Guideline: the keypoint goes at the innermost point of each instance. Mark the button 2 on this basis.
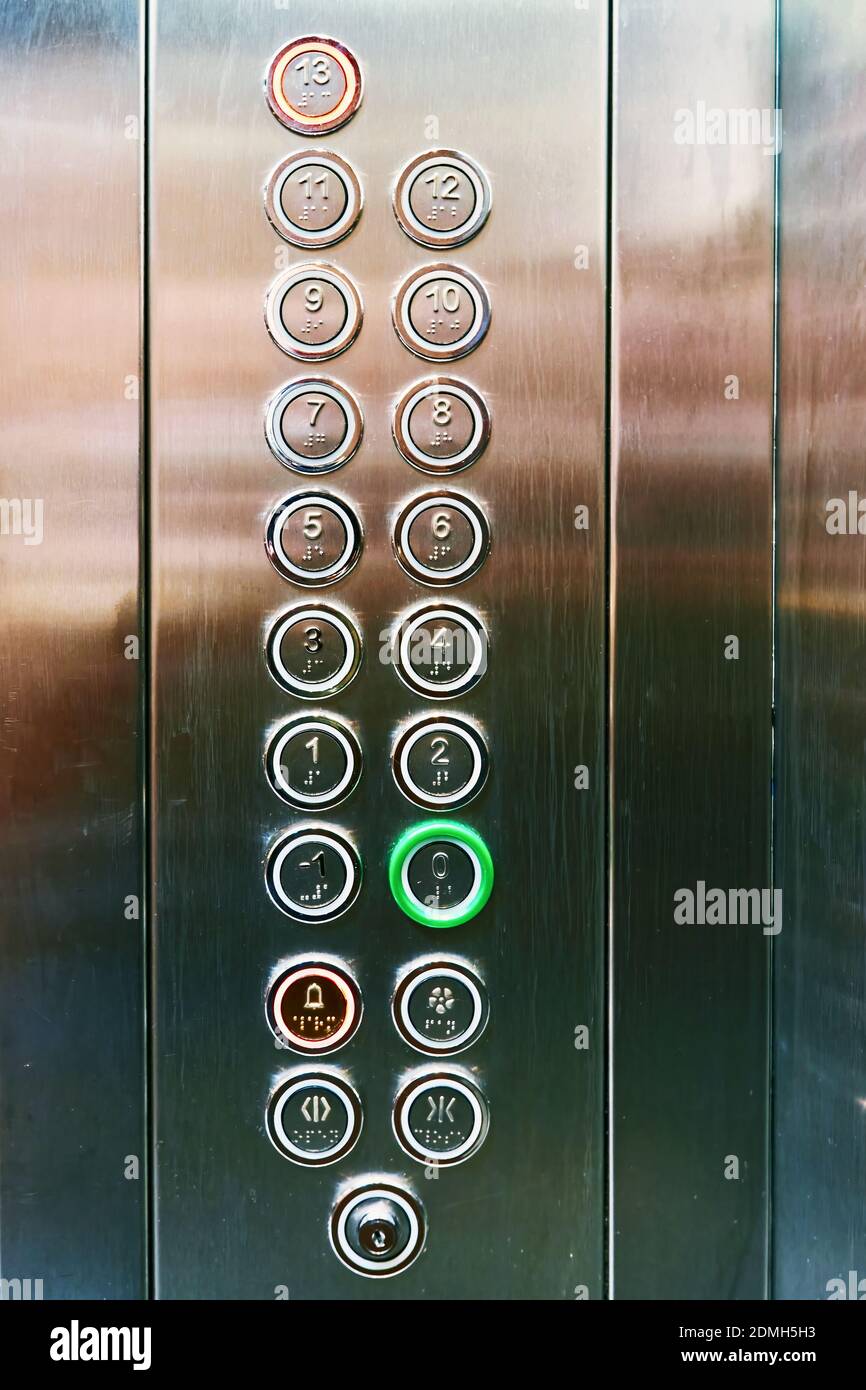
(440, 873)
(440, 650)
(313, 425)
(440, 762)
(313, 539)
(313, 312)
(441, 538)
(440, 1007)
(441, 425)
(313, 652)
(313, 875)
(313, 199)
(442, 198)
(314, 85)
(441, 312)
(313, 762)
(314, 1119)
(313, 1006)
(441, 1118)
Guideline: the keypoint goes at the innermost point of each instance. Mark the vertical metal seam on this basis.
(608, 638)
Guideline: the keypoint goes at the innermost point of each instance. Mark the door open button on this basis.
(314, 1119)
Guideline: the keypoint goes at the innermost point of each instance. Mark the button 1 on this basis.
(314, 1119)
(440, 873)
(313, 539)
(314, 1006)
(313, 875)
(440, 1007)
(313, 312)
(314, 85)
(378, 1230)
(313, 425)
(313, 652)
(441, 538)
(441, 425)
(442, 198)
(441, 312)
(313, 762)
(441, 1118)
(441, 650)
(313, 199)
(440, 762)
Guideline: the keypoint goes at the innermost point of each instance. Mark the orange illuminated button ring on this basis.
(314, 85)
(314, 1007)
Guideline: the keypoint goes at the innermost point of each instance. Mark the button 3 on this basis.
(441, 1118)
(441, 538)
(314, 1119)
(440, 1007)
(313, 199)
(314, 1006)
(441, 312)
(313, 539)
(313, 652)
(442, 198)
(313, 425)
(440, 762)
(441, 425)
(440, 873)
(313, 875)
(314, 85)
(313, 312)
(313, 762)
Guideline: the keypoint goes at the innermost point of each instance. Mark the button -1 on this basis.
(313, 652)
(440, 873)
(441, 1118)
(313, 1006)
(441, 425)
(313, 199)
(441, 312)
(441, 650)
(440, 1007)
(313, 762)
(314, 85)
(440, 762)
(441, 538)
(313, 875)
(313, 539)
(313, 425)
(314, 1119)
(442, 198)
(313, 312)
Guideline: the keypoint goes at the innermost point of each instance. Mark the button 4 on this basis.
(440, 650)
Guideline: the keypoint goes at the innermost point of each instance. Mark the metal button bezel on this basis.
(353, 651)
(444, 386)
(294, 839)
(312, 723)
(331, 574)
(422, 347)
(447, 724)
(296, 347)
(359, 1263)
(348, 104)
(337, 1086)
(328, 236)
(417, 230)
(300, 463)
(408, 561)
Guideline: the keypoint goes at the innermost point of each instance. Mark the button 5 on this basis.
(313, 539)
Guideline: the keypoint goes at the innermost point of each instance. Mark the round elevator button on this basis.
(313, 875)
(441, 650)
(440, 763)
(313, 762)
(313, 312)
(440, 873)
(441, 1118)
(378, 1230)
(441, 538)
(313, 199)
(313, 425)
(441, 312)
(314, 1006)
(441, 425)
(313, 652)
(442, 198)
(440, 1007)
(314, 1119)
(314, 85)
(313, 539)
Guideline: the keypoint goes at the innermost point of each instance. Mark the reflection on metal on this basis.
(72, 1160)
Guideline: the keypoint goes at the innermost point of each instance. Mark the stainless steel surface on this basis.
(691, 431)
(524, 1217)
(820, 1007)
(72, 1148)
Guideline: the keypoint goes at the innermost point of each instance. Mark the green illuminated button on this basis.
(441, 873)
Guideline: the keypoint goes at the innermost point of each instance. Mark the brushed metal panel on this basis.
(691, 564)
(71, 960)
(522, 89)
(820, 1005)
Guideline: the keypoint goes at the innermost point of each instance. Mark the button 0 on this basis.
(441, 538)
(378, 1230)
(313, 425)
(442, 198)
(441, 312)
(314, 1119)
(440, 763)
(313, 312)
(313, 652)
(313, 875)
(314, 1006)
(441, 1118)
(313, 199)
(440, 1007)
(314, 85)
(440, 873)
(313, 539)
(441, 650)
(313, 762)
(441, 425)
